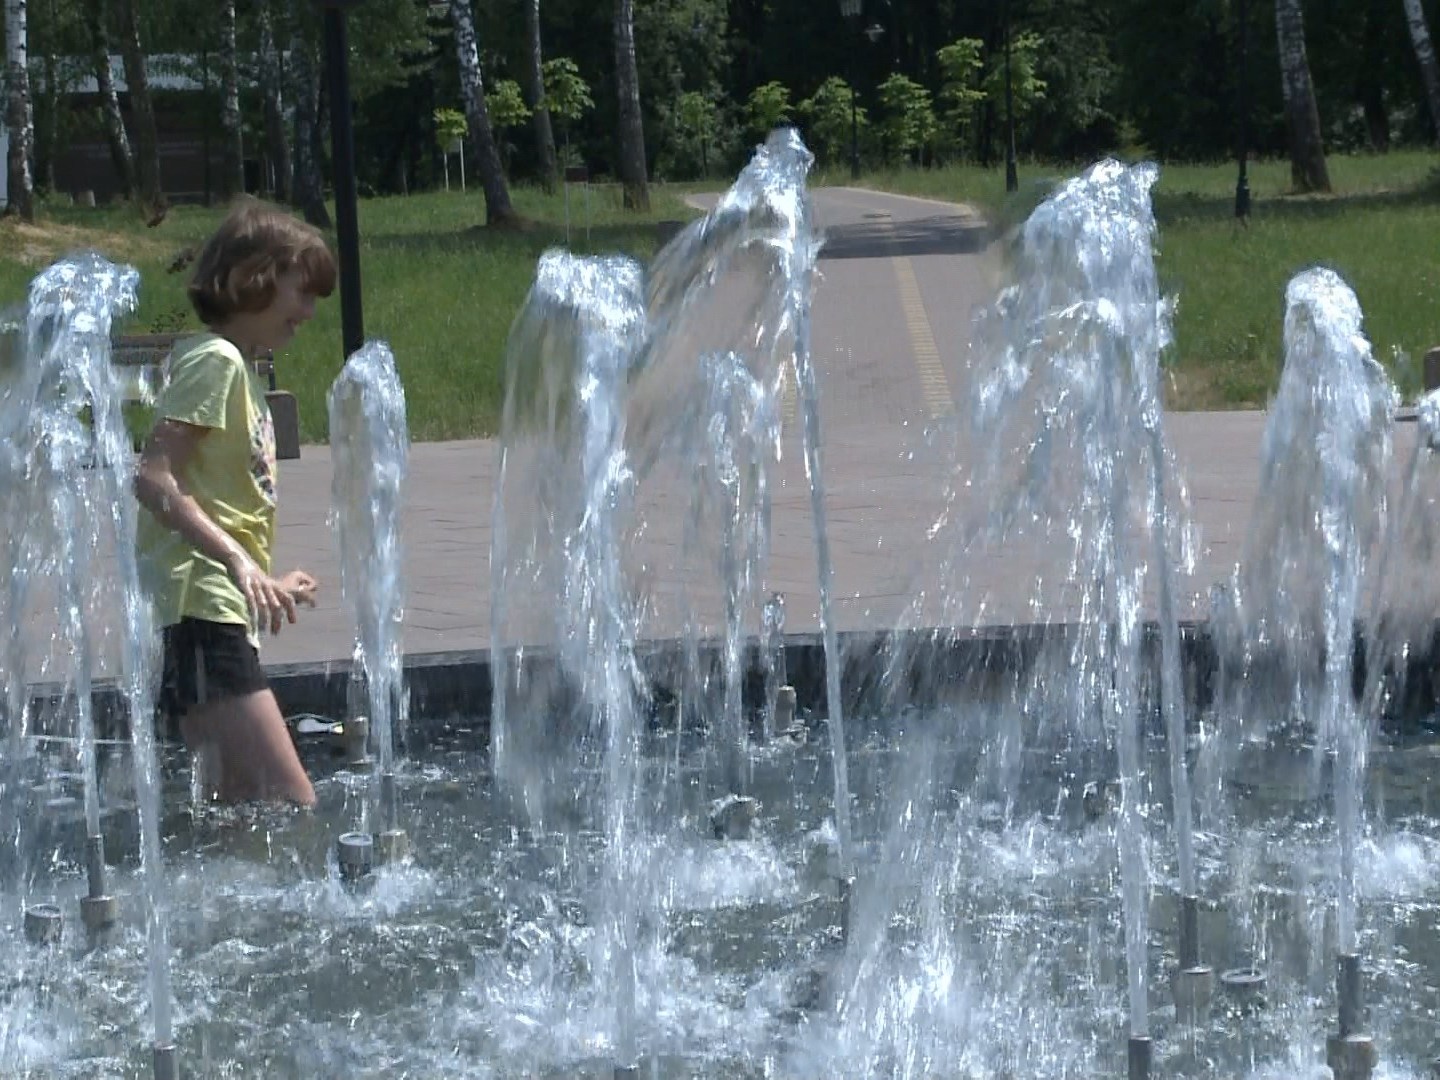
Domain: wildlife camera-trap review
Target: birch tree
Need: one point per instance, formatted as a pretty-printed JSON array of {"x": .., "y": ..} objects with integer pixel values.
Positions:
[
  {"x": 142, "y": 111},
  {"x": 232, "y": 147},
  {"x": 539, "y": 107},
  {"x": 482, "y": 137},
  {"x": 110, "y": 114},
  {"x": 632, "y": 128},
  {"x": 1425, "y": 55},
  {"x": 1307, "y": 150},
  {"x": 17, "y": 113},
  {"x": 277, "y": 146}
]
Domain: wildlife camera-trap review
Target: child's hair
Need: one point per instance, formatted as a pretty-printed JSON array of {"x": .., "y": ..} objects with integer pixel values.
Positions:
[{"x": 255, "y": 244}]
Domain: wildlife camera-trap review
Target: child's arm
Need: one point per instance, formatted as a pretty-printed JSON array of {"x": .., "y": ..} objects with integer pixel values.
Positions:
[{"x": 170, "y": 446}]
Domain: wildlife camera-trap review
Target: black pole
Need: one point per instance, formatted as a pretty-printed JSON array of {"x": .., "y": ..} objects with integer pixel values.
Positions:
[
  {"x": 1242, "y": 182},
  {"x": 342, "y": 153},
  {"x": 854, "y": 131},
  {"x": 1012, "y": 178}
]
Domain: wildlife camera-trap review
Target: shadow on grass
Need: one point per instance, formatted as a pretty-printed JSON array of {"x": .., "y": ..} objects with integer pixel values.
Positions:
[
  {"x": 531, "y": 241},
  {"x": 1183, "y": 206}
]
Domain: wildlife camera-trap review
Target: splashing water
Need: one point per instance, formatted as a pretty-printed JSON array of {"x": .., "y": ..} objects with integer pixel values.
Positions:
[
  {"x": 1324, "y": 458},
  {"x": 369, "y": 440},
  {"x": 69, "y": 469},
  {"x": 1069, "y": 455},
  {"x": 563, "y": 488}
]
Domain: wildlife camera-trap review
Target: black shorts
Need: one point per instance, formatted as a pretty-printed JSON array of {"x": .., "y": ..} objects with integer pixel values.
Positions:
[{"x": 205, "y": 662}]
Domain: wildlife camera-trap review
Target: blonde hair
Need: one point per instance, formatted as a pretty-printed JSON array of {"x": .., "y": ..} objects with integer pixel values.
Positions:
[{"x": 255, "y": 244}]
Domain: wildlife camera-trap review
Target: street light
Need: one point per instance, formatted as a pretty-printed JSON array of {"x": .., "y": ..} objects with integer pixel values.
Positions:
[
  {"x": 1242, "y": 182},
  {"x": 1012, "y": 177},
  {"x": 342, "y": 151},
  {"x": 850, "y": 12}
]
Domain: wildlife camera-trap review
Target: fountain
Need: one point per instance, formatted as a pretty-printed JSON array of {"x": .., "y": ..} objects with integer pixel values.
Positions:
[
  {"x": 70, "y": 516},
  {"x": 1056, "y": 796},
  {"x": 1297, "y": 596},
  {"x": 369, "y": 441}
]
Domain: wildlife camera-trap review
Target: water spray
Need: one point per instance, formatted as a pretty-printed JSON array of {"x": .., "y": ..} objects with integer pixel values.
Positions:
[{"x": 369, "y": 438}]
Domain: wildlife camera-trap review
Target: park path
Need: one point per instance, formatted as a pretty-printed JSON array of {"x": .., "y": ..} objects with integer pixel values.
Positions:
[{"x": 900, "y": 279}]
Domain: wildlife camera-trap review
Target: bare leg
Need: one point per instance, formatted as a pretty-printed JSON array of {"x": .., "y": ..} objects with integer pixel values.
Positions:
[{"x": 245, "y": 750}]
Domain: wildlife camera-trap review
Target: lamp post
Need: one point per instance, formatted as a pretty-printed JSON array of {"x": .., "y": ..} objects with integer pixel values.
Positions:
[
  {"x": 342, "y": 151},
  {"x": 850, "y": 11},
  {"x": 1012, "y": 177},
  {"x": 1242, "y": 182}
]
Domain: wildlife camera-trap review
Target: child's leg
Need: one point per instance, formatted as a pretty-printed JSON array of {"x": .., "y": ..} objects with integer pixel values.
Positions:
[
  {"x": 247, "y": 739},
  {"x": 229, "y": 717}
]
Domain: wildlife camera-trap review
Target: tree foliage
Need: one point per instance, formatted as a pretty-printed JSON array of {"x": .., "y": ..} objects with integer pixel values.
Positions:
[{"x": 1088, "y": 77}]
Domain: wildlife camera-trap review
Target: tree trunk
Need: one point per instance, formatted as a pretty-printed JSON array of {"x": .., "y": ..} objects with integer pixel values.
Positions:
[
  {"x": 307, "y": 188},
  {"x": 142, "y": 112},
  {"x": 17, "y": 113},
  {"x": 277, "y": 146},
  {"x": 1370, "y": 81},
  {"x": 110, "y": 113},
  {"x": 539, "y": 110},
  {"x": 232, "y": 144},
  {"x": 1425, "y": 54},
  {"x": 632, "y": 127},
  {"x": 1307, "y": 149},
  {"x": 482, "y": 138}
]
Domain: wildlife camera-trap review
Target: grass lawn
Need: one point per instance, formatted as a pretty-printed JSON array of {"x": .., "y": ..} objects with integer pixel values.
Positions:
[
  {"x": 438, "y": 286},
  {"x": 1378, "y": 230},
  {"x": 443, "y": 290}
]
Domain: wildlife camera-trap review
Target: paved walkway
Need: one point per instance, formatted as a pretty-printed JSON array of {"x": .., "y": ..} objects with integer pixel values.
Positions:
[{"x": 900, "y": 279}]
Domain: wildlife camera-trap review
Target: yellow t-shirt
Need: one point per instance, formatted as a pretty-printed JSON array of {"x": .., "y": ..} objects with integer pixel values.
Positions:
[{"x": 231, "y": 475}]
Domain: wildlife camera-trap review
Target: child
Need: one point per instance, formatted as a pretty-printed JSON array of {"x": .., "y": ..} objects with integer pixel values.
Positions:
[{"x": 206, "y": 481}]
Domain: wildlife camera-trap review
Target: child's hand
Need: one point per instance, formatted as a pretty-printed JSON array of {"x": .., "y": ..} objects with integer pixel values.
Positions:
[{"x": 301, "y": 587}]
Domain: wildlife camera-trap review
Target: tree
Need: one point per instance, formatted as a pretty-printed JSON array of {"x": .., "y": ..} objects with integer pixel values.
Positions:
[
  {"x": 632, "y": 167},
  {"x": 1307, "y": 151},
  {"x": 539, "y": 106},
  {"x": 909, "y": 121},
  {"x": 767, "y": 108},
  {"x": 1027, "y": 89},
  {"x": 828, "y": 127},
  {"x": 277, "y": 145},
  {"x": 567, "y": 94},
  {"x": 1425, "y": 56},
  {"x": 142, "y": 112},
  {"x": 697, "y": 118},
  {"x": 508, "y": 110},
  {"x": 232, "y": 146},
  {"x": 472, "y": 92},
  {"x": 17, "y": 113},
  {"x": 961, "y": 65},
  {"x": 110, "y": 114}
]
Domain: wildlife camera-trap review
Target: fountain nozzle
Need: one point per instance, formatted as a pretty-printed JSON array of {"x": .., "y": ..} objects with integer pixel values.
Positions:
[
  {"x": 1193, "y": 984},
  {"x": 99, "y": 910},
  {"x": 356, "y": 855},
  {"x": 166, "y": 1067},
  {"x": 1141, "y": 1049},
  {"x": 354, "y": 742},
  {"x": 1350, "y": 1054},
  {"x": 43, "y": 924}
]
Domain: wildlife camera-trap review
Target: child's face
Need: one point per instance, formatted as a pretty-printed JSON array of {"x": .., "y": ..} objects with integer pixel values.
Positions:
[{"x": 291, "y": 308}]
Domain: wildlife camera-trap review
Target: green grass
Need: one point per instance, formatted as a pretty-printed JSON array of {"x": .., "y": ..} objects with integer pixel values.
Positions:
[
  {"x": 438, "y": 286},
  {"x": 443, "y": 290},
  {"x": 1377, "y": 230}
]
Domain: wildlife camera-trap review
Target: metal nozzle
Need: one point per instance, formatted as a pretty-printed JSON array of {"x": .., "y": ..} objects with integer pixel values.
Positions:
[{"x": 43, "y": 924}]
